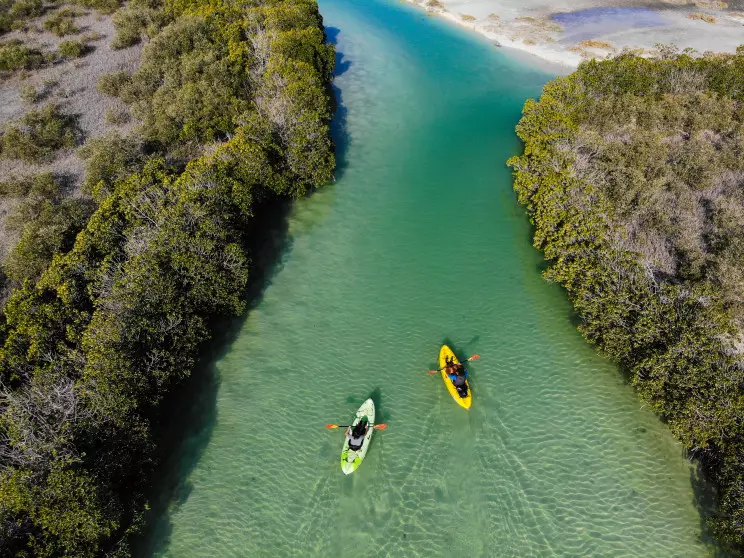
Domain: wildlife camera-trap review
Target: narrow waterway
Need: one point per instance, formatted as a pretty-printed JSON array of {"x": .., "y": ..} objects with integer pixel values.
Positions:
[{"x": 420, "y": 241}]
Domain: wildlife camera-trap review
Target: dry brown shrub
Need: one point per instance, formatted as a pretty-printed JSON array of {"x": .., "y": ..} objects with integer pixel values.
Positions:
[
  {"x": 467, "y": 17},
  {"x": 707, "y": 18},
  {"x": 435, "y": 4},
  {"x": 542, "y": 24},
  {"x": 592, "y": 43},
  {"x": 711, "y": 4}
]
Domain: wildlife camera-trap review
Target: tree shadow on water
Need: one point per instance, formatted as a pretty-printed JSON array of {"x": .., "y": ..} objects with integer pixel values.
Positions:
[
  {"x": 339, "y": 133},
  {"x": 705, "y": 501},
  {"x": 185, "y": 420}
]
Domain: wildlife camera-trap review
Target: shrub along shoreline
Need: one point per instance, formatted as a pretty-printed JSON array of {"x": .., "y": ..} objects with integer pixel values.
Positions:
[
  {"x": 235, "y": 103},
  {"x": 633, "y": 177}
]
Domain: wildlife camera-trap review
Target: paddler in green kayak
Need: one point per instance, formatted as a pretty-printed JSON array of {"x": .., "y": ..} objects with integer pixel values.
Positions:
[{"x": 356, "y": 435}]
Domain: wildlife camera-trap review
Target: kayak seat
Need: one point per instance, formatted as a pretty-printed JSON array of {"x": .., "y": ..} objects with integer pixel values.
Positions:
[{"x": 355, "y": 448}]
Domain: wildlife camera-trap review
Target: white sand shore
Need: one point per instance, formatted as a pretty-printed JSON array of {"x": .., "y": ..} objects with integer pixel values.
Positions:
[{"x": 566, "y": 32}]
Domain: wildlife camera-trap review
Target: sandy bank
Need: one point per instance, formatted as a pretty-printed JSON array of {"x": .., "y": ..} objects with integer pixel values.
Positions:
[{"x": 566, "y": 32}]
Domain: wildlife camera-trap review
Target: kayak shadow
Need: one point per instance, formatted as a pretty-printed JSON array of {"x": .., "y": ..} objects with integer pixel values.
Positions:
[{"x": 376, "y": 397}]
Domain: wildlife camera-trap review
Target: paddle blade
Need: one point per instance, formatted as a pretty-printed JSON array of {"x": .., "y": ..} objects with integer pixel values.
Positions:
[
  {"x": 332, "y": 426},
  {"x": 432, "y": 371},
  {"x": 380, "y": 426},
  {"x": 474, "y": 357}
]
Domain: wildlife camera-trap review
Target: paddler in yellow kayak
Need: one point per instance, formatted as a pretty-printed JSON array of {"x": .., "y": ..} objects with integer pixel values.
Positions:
[{"x": 458, "y": 374}]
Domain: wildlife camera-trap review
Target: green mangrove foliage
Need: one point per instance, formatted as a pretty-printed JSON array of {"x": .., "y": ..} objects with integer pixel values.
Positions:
[
  {"x": 109, "y": 159},
  {"x": 633, "y": 177},
  {"x": 47, "y": 225},
  {"x": 236, "y": 106}
]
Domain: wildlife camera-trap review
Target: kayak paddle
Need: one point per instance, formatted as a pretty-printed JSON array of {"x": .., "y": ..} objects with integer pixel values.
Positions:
[
  {"x": 474, "y": 357},
  {"x": 376, "y": 426}
]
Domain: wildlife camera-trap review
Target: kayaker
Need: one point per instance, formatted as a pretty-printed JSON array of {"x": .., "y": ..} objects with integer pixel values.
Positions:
[
  {"x": 459, "y": 376},
  {"x": 449, "y": 365},
  {"x": 356, "y": 435}
]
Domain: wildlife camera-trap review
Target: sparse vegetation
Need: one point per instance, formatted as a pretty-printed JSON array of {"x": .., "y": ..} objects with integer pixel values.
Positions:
[
  {"x": 117, "y": 116},
  {"x": 73, "y": 48},
  {"x": 467, "y": 17},
  {"x": 111, "y": 84},
  {"x": 39, "y": 134},
  {"x": 633, "y": 178},
  {"x": 62, "y": 23},
  {"x": 102, "y": 6},
  {"x": 434, "y": 4},
  {"x": 707, "y": 18},
  {"x": 29, "y": 94},
  {"x": 93, "y": 37}
]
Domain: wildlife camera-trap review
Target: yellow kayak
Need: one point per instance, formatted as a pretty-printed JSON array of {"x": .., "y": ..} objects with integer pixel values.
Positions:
[{"x": 444, "y": 353}]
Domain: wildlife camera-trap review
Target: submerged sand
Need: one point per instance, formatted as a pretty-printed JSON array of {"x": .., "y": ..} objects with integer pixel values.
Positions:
[{"x": 569, "y": 31}]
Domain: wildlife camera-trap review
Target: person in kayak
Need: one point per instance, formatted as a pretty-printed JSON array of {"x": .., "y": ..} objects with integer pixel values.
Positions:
[
  {"x": 356, "y": 435},
  {"x": 459, "y": 375},
  {"x": 449, "y": 365}
]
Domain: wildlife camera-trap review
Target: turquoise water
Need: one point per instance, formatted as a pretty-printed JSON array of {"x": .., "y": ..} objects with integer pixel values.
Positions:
[{"x": 420, "y": 241}]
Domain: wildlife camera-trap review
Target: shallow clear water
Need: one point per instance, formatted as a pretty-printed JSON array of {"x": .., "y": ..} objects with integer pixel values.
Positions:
[
  {"x": 582, "y": 25},
  {"x": 420, "y": 241}
]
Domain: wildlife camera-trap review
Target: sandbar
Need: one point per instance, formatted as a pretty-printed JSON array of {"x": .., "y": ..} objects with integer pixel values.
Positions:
[{"x": 565, "y": 32}]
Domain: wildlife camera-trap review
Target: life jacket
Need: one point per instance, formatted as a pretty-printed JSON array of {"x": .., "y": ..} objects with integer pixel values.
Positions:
[{"x": 356, "y": 439}]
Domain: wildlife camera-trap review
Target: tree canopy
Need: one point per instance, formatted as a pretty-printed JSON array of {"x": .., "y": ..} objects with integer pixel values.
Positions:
[{"x": 633, "y": 176}]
